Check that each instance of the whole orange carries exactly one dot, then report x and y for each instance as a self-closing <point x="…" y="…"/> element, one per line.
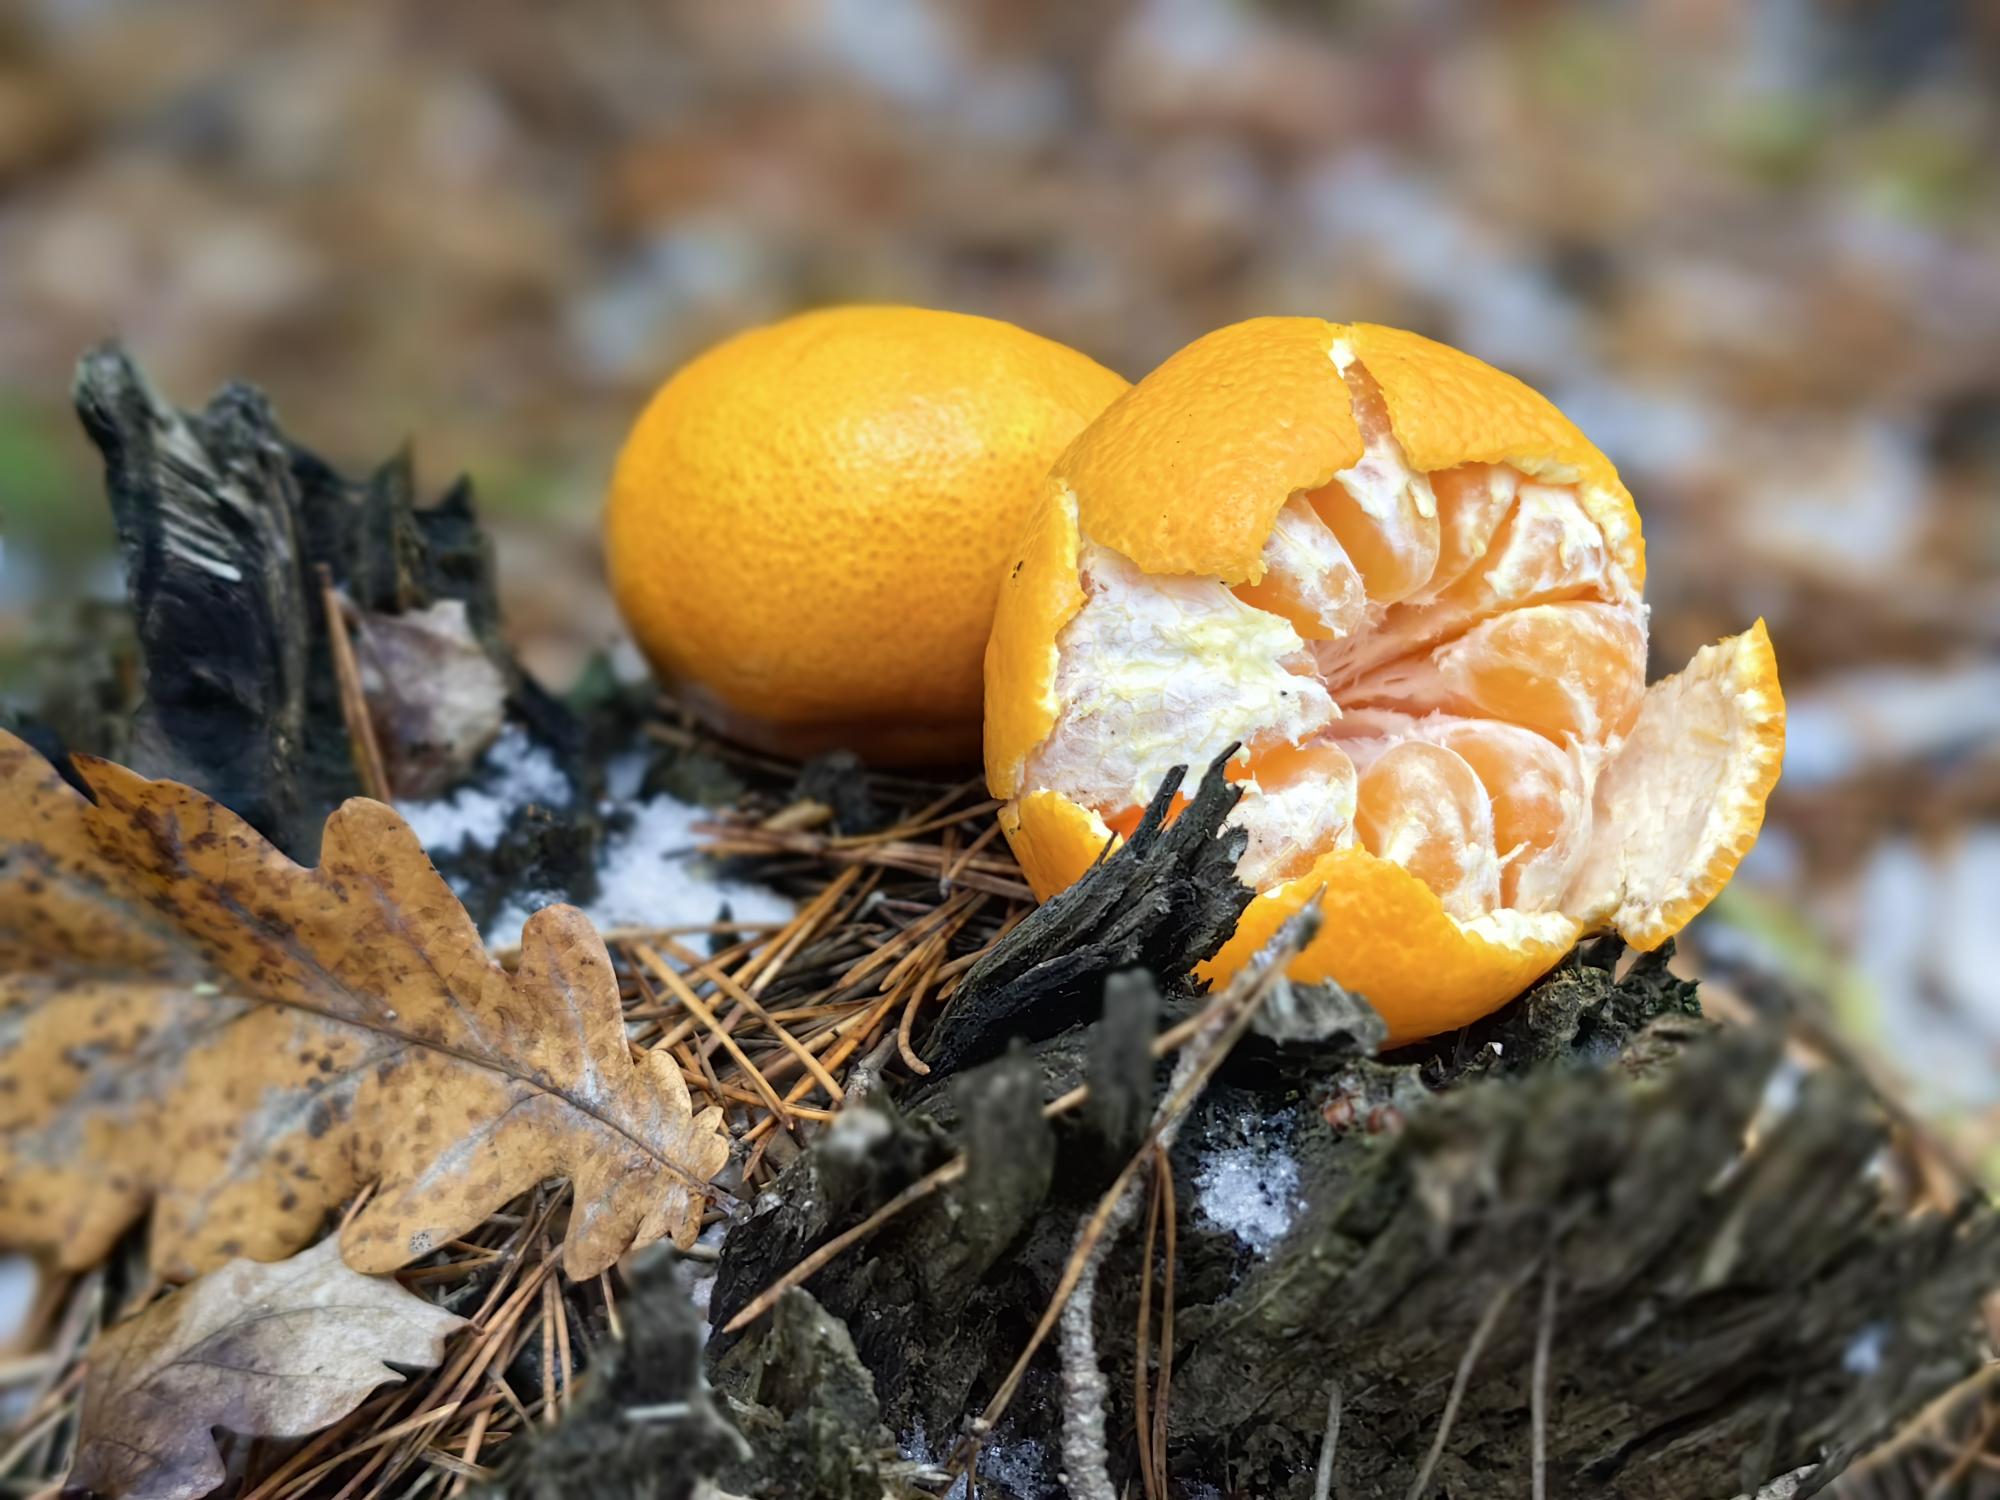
<point x="807" y="524"/>
<point x="1409" y="589"/>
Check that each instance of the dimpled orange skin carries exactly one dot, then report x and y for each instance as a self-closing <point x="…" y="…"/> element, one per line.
<point x="1186" y="473"/>
<point x="807" y="524"/>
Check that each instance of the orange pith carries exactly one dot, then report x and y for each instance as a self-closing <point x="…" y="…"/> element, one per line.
<point x="807" y="524"/>
<point x="1410" y="590"/>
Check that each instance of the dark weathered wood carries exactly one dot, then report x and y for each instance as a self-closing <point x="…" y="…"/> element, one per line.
<point x="207" y="516"/>
<point x="1164" y="901"/>
<point x="223" y="522"/>
<point x="1729" y="1304"/>
<point x="645" y="1421"/>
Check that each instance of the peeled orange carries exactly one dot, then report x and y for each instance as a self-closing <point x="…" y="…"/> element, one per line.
<point x="806" y="526"/>
<point x="1410" y="590"/>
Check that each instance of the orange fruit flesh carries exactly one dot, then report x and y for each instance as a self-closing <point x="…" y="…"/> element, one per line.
<point x="1456" y="654"/>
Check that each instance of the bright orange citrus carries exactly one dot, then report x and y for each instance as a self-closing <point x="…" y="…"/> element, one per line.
<point x="1410" y="590"/>
<point x="806" y="526"/>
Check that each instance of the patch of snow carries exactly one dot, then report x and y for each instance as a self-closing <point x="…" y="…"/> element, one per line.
<point x="624" y="774"/>
<point x="1019" y="1464"/>
<point x="1863" y="1355"/>
<point x="698" y="1276"/>
<point x="1250" y="1190"/>
<point x="915" y="1445"/>
<point x="651" y="875"/>
<point x="516" y="772"/>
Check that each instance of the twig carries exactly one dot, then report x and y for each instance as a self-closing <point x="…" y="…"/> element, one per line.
<point x="353" y="700"/>
<point x="1230" y="1013"/>
<point x="611" y="1319"/>
<point x="1918" y="1427"/>
<point x="470" y="1452"/>
<point x="1475" y="1346"/>
<point x="1538" y="1390"/>
<point x="972" y="851"/>
<point x="1967" y="1459"/>
<point x="927" y="819"/>
<point x="1329" y="1446"/>
<point x="806" y="1269"/>
<point x="563" y="1364"/>
<point x="1084" y="1387"/>
<point x="757" y="974"/>
<point x="549" y="1352"/>
<point x="988" y="873"/>
<point x="1142" y="1423"/>
<point x="1170" y="1218"/>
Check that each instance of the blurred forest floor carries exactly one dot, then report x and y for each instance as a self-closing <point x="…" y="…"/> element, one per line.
<point x="1750" y="249"/>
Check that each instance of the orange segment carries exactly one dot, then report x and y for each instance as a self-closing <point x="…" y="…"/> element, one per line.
<point x="1573" y="670"/>
<point x="1279" y="765"/>
<point x="1298" y="804"/>
<point x="1449" y="409"/>
<point x="1381" y="509"/>
<point x="1545" y="548"/>
<point x="1472" y="500"/>
<point x="1420" y="806"/>
<point x="1541" y="807"/>
<point x="1308" y="577"/>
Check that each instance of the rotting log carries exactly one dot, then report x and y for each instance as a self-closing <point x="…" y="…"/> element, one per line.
<point x="226" y="527"/>
<point x="1726" y="1290"/>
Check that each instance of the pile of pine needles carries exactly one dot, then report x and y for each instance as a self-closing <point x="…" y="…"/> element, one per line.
<point x="776" y="1024"/>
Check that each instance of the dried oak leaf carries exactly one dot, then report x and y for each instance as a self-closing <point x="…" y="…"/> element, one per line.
<point x="188" y="1019"/>
<point x="265" y="1350"/>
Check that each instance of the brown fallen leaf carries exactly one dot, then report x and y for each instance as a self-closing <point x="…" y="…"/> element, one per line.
<point x="265" y="1350"/>
<point x="188" y="1019"/>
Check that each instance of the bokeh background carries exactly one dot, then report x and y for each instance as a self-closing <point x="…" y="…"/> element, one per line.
<point x="1754" y="249"/>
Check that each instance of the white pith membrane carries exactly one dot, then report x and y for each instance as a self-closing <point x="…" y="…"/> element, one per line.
<point x="1445" y="669"/>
